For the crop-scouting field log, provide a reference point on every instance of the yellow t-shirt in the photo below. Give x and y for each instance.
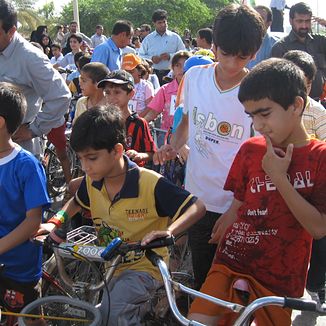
(145, 203)
(81, 106)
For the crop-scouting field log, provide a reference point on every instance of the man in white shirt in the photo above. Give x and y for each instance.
(98, 38)
(161, 45)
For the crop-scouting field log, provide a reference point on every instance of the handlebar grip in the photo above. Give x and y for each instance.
(299, 304)
(153, 257)
(160, 242)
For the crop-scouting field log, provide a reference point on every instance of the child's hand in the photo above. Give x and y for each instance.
(134, 155)
(217, 230)
(165, 153)
(44, 229)
(183, 153)
(276, 162)
(154, 235)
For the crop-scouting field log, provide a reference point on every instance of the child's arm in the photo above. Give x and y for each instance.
(23, 231)
(276, 163)
(147, 109)
(70, 208)
(151, 115)
(135, 156)
(194, 212)
(226, 219)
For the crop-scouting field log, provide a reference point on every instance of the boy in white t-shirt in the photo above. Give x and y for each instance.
(56, 51)
(215, 123)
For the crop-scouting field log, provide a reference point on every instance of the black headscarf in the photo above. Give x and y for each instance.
(36, 35)
(50, 55)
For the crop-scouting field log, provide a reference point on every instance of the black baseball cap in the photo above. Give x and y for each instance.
(117, 77)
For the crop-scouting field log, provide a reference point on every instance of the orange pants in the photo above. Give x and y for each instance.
(219, 284)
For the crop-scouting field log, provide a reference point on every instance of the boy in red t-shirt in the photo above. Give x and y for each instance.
(279, 187)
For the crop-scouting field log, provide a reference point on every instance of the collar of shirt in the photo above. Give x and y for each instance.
(167, 32)
(113, 46)
(130, 188)
(172, 87)
(293, 38)
(132, 116)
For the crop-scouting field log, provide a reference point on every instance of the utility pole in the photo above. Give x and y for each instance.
(76, 12)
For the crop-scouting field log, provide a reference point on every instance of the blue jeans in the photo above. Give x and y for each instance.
(202, 252)
(317, 269)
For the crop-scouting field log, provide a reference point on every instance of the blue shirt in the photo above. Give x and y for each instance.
(265, 50)
(155, 44)
(109, 54)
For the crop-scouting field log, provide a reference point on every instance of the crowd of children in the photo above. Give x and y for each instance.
(255, 164)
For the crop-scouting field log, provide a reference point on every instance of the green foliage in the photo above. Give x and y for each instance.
(192, 14)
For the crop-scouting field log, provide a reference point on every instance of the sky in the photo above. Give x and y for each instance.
(318, 7)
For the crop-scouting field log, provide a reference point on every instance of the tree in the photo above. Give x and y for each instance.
(192, 14)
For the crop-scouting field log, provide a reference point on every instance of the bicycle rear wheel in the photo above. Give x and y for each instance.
(80, 313)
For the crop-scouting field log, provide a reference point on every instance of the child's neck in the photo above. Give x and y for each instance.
(226, 82)
(96, 99)
(114, 182)
(6, 147)
(125, 112)
(75, 51)
(299, 138)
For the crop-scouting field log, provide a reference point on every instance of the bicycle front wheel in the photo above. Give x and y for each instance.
(61, 311)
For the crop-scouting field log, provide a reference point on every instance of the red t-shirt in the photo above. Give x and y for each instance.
(139, 136)
(266, 241)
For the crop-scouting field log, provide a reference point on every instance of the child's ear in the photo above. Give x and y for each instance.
(2, 122)
(118, 150)
(253, 56)
(131, 94)
(298, 105)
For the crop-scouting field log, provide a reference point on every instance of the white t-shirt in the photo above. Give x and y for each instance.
(144, 91)
(218, 125)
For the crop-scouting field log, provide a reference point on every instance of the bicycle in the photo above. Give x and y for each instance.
(89, 285)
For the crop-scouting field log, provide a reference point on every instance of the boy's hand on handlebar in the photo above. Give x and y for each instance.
(44, 228)
(154, 235)
(217, 231)
(165, 153)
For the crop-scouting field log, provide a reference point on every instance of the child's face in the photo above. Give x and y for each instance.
(45, 40)
(56, 52)
(115, 95)
(178, 69)
(98, 164)
(86, 84)
(231, 65)
(74, 44)
(270, 118)
(136, 74)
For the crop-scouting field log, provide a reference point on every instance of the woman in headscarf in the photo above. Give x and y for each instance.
(36, 35)
(46, 42)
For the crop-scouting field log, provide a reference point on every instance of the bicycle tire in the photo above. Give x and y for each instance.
(78, 271)
(61, 306)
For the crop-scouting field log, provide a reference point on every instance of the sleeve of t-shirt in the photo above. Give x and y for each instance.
(237, 179)
(171, 200)
(80, 106)
(149, 91)
(177, 118)
(157, 103)
(64, 62)
(146, 142)
(81, 197)
(101, 54)
(33, 184)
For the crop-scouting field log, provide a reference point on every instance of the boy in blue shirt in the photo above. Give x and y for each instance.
(23, 198)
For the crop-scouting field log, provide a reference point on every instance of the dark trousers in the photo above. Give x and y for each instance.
(160, 74)
(202, 252)
(317, 269)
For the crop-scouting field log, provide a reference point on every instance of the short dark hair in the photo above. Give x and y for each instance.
(268, 10)
(96, 71)
(84, 60)
(8, 15)
(122, 26)
(207, 34)
(78, 55)
(77, 37)
(304, 61)
(98, 26)
(238, 29)
(178, 56)
(13, 106)
(134, 38)
(59, 27)
(277, 79)
(73, 22)
(159, 14)
(300, 8)
(56, 45)
(147, 27)
(100, 127)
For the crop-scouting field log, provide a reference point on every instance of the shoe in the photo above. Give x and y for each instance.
(319, 297)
